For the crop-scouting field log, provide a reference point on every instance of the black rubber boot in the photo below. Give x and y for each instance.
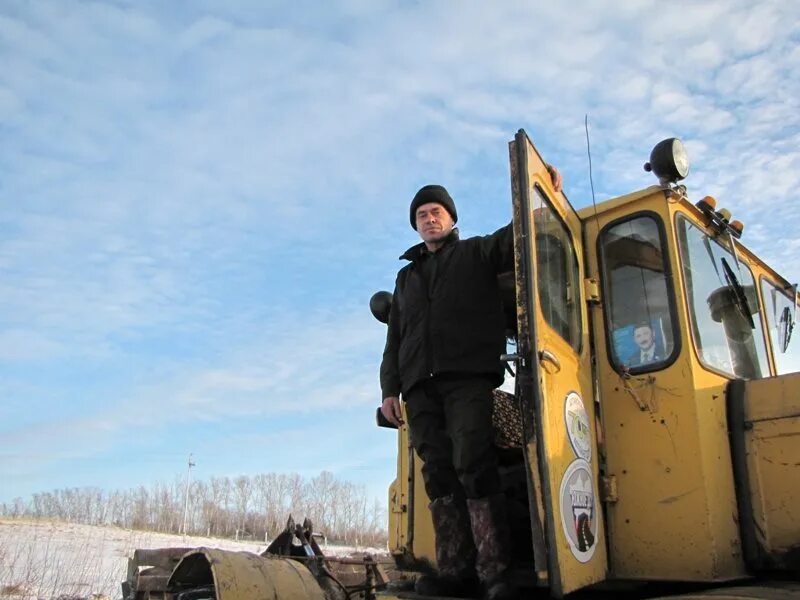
(489, 518)
(455, 552)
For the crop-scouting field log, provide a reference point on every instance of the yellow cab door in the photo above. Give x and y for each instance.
(554, 379)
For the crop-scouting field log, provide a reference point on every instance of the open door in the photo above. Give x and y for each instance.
(554, 378)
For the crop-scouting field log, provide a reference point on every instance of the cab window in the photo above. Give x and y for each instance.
(637, 297)
(723, 305)
(556, 271)
(779, 306)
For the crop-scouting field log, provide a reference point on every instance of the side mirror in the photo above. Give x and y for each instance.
(380, 305)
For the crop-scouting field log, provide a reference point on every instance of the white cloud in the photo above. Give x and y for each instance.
(705, 55)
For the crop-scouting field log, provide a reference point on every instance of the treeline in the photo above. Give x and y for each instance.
(242, 507)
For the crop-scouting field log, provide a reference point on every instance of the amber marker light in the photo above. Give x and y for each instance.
(708, 204)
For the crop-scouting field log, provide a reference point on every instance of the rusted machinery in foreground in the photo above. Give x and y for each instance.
(292, 567)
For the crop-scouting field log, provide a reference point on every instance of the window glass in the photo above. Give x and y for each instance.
(636, 295)
(557, 272)
(723, 306)
(779, 308)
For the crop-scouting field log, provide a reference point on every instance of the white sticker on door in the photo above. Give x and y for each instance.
(579, 509)
(578, 428)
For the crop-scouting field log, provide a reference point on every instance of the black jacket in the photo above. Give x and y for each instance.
(455, 324)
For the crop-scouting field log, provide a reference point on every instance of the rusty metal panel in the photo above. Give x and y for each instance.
(245, 576)
(152, 583)
(165, 558)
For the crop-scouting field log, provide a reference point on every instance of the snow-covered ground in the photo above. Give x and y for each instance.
(50, 559)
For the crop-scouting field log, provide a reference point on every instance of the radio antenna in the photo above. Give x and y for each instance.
(589, 153)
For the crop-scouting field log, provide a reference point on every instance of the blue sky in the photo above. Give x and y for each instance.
(197, 200)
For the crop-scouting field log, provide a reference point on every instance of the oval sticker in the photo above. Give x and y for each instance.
(578, 427)
(579, 510)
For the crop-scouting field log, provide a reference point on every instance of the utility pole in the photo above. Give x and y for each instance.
(188, 483)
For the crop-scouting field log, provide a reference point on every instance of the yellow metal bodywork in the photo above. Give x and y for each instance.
(245, 576)
(399, 499)
(772, 449)
(411, 537)
(564, 479)
(666, 440)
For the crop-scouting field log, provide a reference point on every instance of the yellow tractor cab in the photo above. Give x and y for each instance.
(654, 432)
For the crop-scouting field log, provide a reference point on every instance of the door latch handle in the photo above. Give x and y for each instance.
(507, 359)
(545, 356)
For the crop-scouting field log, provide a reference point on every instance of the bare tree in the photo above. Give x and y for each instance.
(242, 493)
(222, 507)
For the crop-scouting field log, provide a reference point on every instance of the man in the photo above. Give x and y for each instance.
(445, 337)
(649, 350)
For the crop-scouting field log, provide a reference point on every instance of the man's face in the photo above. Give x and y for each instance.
(643, 336)
(434, 223)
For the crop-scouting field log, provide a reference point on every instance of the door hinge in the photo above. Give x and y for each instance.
(608, 489)
(592, 289)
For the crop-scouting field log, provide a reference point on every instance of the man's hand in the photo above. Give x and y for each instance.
(391, 410)
(555, 177)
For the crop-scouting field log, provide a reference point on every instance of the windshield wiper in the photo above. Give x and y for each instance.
(739, 295)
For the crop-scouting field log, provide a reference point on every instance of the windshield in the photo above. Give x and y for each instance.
(779, 307)
(723, 306)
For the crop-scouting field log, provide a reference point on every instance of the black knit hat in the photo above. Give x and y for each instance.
(432, 193)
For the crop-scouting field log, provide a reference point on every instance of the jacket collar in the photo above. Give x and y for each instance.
(418, 250)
